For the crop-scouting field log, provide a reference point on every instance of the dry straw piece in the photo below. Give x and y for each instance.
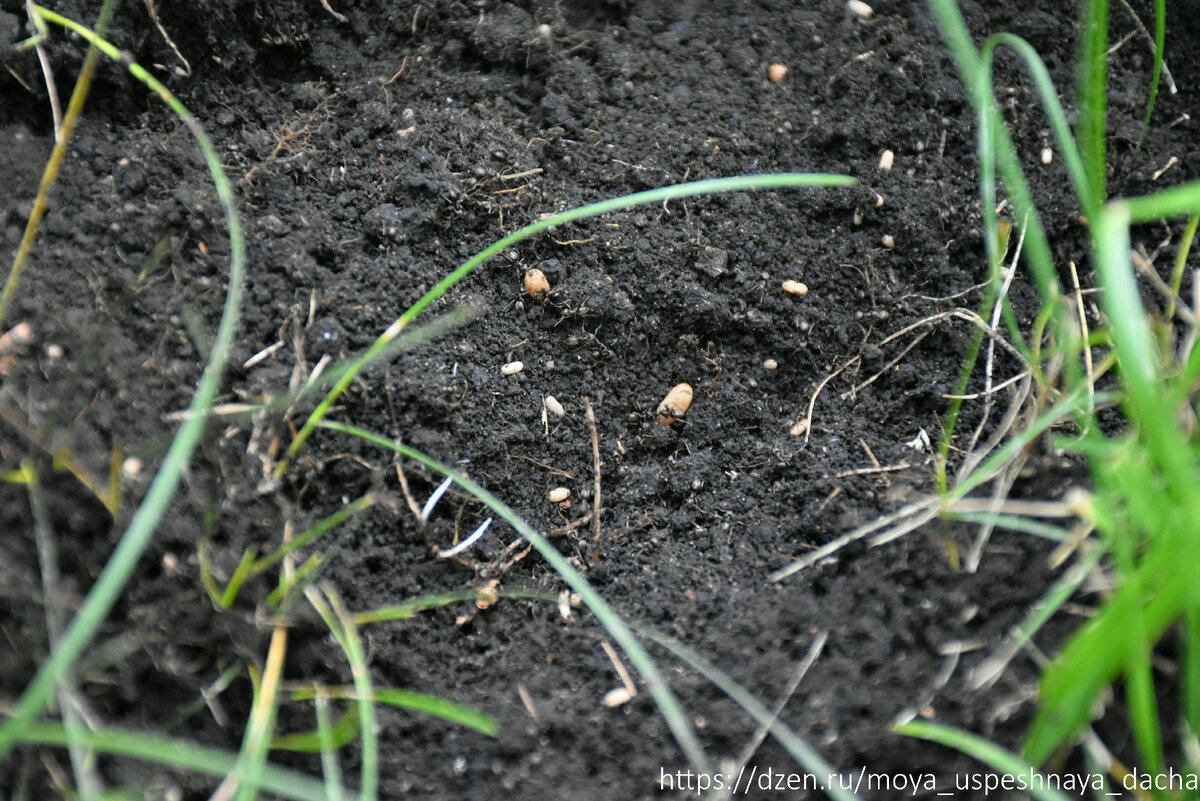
(794, 287)
(536, 285)
(675, 404)
(559, 494)
(512, 368)
(776, 73)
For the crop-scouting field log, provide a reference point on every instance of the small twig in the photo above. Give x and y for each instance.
(812, 401)
(47, 72)
(1087, 348)
(921, 511)
(852, 392)
(867, 471)
(591, 421)
(626, 679)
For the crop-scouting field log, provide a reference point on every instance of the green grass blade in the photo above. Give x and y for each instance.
(1091, 94)
(329, 523)
(330, 769)
(346, 633)
(680, 727)
(142, 527)
(415, 701)
(661, 195)
(988, 753)
(1072, 158)
(83, 85)
(181, 755)
(1185, 247)
(328, 736)
(1160, 42)
(409, 609)
(1037, 246)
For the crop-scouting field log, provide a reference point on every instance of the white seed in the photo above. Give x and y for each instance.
(617, 697)
(794, 287)
(776, 73)
(554, 407)
(536, 284)
(512, 368)
(858, 218)
(860, 9)
(800, 428)
(675, 404)
(544, 31)
(131, 468)
(770, 364)
(889, 241)
(559, 494)
(878, 201)
(886, 160)
(1047, 155)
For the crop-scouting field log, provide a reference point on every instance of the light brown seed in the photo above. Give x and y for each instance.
(886, 160)
(800, 428)
(554, 407)
(617, 697)
(559, 494)
(770, 364)
(536, 285)
(889, 241)
(860, 9)
(776, 73)
(512, 368)
(794, 287)
(675, 404)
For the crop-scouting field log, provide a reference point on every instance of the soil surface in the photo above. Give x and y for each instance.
(373, 155)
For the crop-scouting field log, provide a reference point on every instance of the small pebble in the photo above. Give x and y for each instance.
(512, 368)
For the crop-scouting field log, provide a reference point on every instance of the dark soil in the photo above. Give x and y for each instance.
(373, 156)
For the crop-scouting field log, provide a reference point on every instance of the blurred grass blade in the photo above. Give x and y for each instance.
(344, 630)
(181, 755)
(986, 752)
(1173, 202)
(804, 754)
(327, 737)
(680, 726)
(417, 702)
(142, 527)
